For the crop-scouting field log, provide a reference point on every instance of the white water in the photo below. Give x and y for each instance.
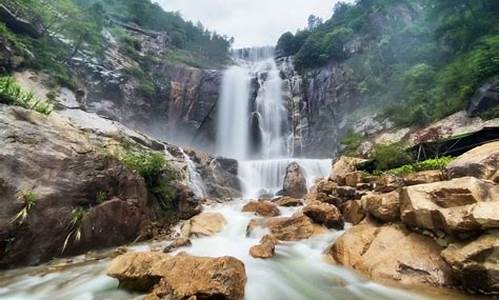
(195, 181)
(233, 114)
(266, 176)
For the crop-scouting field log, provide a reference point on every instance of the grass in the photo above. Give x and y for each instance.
(101, 196)
(29, 200)
(12, 94)
(351, 141)
(158, 174)
(429, 164)
(77, 216)
(389, 156)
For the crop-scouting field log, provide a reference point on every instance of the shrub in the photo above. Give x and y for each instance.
(12, 94)
(388, 156)
(29, 200)
(351, 141)
(159, 176)
(429, 164)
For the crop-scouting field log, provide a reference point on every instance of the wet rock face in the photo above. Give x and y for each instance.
(180, 277)
(188, 205)
(390, 252)
(50, 163)
(294, 184)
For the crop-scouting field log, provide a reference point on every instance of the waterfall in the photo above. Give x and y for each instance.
(253, 127)
(233, 114)
(195, 181)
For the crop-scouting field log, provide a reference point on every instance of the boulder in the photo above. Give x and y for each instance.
(485, 98)
(424, 177)
(344, 166)
(176, 244)
(180, 277)
(383, 207)
(391, 252)
(288, 201)
(266, 247)
(188, 205)
(480, 162)
(456, 206)
(262, 208)
(294, 184)
(293, 228)
(388, 183)
(352, 211)
(67, 173)
(475, 263)
(255, 224)
(204, 224)
(324, 214)
(354, 178)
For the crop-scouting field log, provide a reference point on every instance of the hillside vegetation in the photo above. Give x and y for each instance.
(73, 27)
(421, 66)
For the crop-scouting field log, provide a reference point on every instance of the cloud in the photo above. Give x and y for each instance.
(251, 22)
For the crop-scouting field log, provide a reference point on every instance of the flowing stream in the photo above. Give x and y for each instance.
(297, 271)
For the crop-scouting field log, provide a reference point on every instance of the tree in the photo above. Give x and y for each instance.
(313, 22)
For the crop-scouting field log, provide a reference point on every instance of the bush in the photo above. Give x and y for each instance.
(429, 164)
(159, 176)
(351, 141)
(389, 156)
(12, 94)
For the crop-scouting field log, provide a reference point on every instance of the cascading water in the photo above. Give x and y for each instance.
(195, 181)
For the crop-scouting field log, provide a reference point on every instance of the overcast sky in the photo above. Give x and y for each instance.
(251, 22)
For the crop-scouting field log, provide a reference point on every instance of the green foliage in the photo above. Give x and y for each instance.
(77, 216)
(416, 71)
(29, 200)
(101, 196)
(351, 141)
(429, 164)
(12, 94)
(389, 156)
(160, 177)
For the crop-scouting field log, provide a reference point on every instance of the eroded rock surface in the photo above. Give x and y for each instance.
(294, 184)
(480, 162)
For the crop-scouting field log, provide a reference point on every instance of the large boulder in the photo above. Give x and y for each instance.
(475, 263)
(485, 98)
(180, 277)
(288, 201)
(262, 208)
(294, 228)
(324, 214)
(457, 206)
(353, 212)
(422, 177)
(391, 252)
(204, 224)
(480, 162)
(343, 166)
(64, 171)
(188, 205)
(383, 207)
(294, 184)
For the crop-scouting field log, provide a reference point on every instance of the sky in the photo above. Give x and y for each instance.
(251, 22)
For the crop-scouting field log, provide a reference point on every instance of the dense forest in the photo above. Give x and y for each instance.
(69, 27)
(421, 70)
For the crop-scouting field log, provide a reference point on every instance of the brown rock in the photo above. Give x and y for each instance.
(293, 228)
(177, 243)
(388, 183)
(180, 277)
(324, 214)
(456, 206)
(203, 224)
(266, 247)
(254, 224)
(294, 184)
(352, 211)
(383, 207)
(354, 178)
(424, 177)
(390, 252)
(262, 208)
(288, 201)
(475, 263)
(480, 162)
(342, 167)
(188, 204)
